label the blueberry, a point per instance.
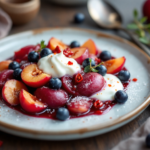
(55, 83)
(14, 65)
(86, 62)
(105, 55)
(101, 70)
(124, 75)
(45, 52)
(17, 74)
(148, 141)
(121, 96)
(62, 114)
(33, 56)
(74, 44)
(79, 17)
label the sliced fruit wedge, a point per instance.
(30, 103)
(34, 77)
(90, 45)
(5, 76)
(11, 90)
(79, 105)
(68, 85)
(4, 65)
(115, 65)
(80, 54)
(53, 98)
(23, 51)
(53, 43)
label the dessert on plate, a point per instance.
(61, 82)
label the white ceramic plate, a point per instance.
(138, 63)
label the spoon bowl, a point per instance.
(104, 14)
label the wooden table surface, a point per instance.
(51, 15)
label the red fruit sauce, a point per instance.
(51, 113)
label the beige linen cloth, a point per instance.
(137, 139)
(5, 24)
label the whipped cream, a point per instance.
(113, 84)
(58, 65)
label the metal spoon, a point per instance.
(107, 17)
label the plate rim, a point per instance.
(92, 128)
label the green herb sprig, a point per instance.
(89, 68)
(141, 29)
(42, 45)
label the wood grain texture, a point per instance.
(51, 15)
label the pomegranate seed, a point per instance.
(57, 50)
(67, 52)
(70, 63)
(98, 104)
(99, 112)
(78, 78)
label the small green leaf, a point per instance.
(141, 33)
(42, 44)
(90, 60)
(87, 69)
(132, 26)
(135, 13)
(94, 70)
(144, 40)
(138, 33)
(148, 30)
(141, 29)
(147, 26)
(143, 20)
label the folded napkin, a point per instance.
(137, 139)
(5, 24)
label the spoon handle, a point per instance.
(136, 41)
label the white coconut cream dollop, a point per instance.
(58, 65)
(113, 84)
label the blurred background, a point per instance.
(60, 13)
